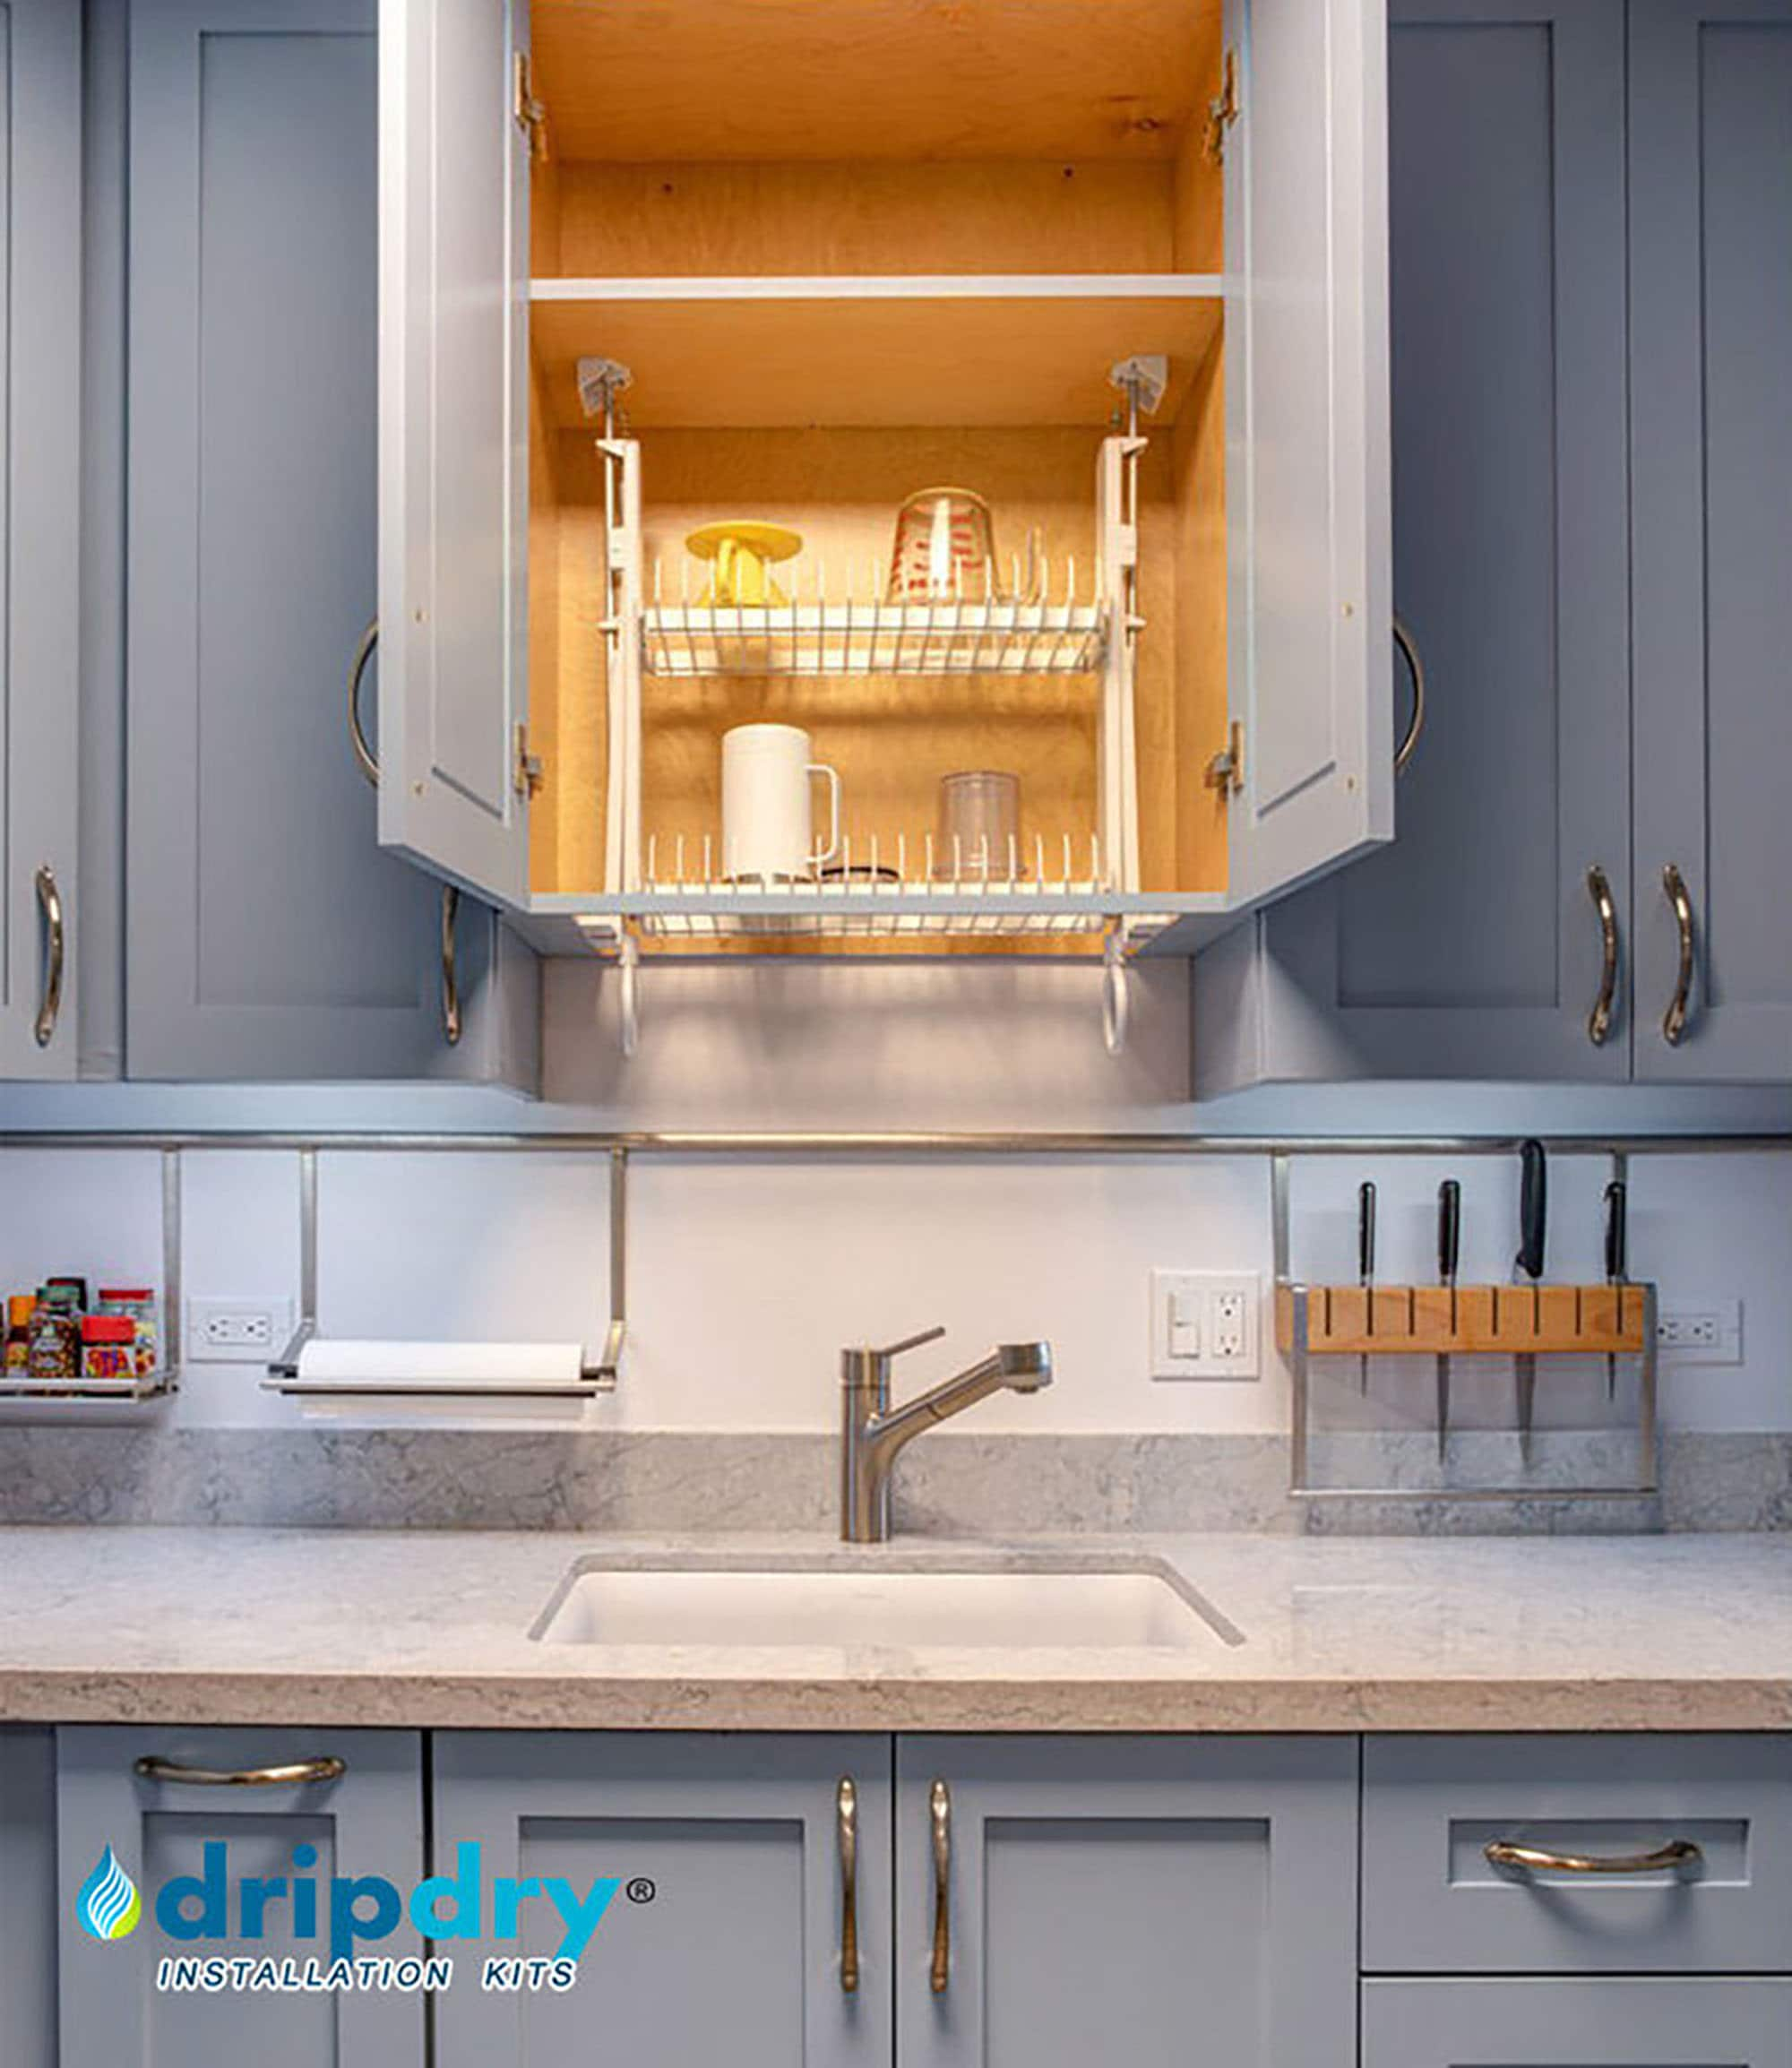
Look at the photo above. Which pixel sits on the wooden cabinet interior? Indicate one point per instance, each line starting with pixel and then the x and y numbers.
pixel 749 159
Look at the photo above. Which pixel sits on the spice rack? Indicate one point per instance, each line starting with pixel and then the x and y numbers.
pixel 58 1395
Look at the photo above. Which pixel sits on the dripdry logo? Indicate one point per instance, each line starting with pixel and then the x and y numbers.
pixel 108 1905
pixel 345 1914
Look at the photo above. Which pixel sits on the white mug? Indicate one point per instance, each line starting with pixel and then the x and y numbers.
pixel 768 823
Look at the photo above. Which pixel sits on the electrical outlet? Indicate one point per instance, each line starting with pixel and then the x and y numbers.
pixel 1204 1325
pixel 245 1331
pixel 1700 1331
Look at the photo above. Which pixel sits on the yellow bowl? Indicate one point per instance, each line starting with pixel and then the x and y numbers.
pixel 744 552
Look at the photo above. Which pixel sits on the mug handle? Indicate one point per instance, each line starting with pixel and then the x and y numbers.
pixel 723 587
pixel 827 853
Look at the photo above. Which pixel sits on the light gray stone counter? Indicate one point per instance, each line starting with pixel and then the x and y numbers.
pixel 415 1628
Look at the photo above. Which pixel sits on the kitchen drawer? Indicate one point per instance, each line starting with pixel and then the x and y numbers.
pixel 1561 2024
pixel 1434 1904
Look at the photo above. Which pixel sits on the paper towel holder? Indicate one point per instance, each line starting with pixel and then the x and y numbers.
pixel 598 1377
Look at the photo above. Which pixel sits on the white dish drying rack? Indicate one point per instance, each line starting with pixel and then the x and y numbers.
pixel 1042 891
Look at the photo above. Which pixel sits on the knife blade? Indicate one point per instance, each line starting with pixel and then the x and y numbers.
pixel 1366 1270
pixel 1617 1242
pixel 1449 1253
pixel 1533 1224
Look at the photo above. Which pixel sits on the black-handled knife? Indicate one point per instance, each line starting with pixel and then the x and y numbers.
pixel 1533 1231
pixel 1365 1269
pixel 1449 1256
pixel 1617 1265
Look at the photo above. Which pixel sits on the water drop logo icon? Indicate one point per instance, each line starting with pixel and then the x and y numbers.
pixel 108 1905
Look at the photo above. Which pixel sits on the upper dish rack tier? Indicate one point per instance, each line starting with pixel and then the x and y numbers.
pixel 878 637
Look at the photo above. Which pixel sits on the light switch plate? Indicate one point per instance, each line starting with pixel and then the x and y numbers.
pixel 1205 1324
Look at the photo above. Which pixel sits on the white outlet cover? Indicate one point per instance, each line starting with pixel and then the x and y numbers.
pixel 1684 1309
pixel 1208 1289
pixel 275 1313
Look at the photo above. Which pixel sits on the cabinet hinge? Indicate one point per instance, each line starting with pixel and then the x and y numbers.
pixel 1222 110
pixel 528 113
pixel 1226 771
pixel 525 767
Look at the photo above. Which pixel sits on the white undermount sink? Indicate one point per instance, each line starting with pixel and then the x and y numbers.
pixel 832 1605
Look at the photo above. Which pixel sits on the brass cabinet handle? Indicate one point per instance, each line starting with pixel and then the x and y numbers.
pixel 450 980
pixel 939 1807
pixel 1408 646
pixel 1599 1021
pixel 357 738
pixel 56 943
pixel 845 1815
pixel 1674 1022
pixel 1675 1853
pixel 300 1773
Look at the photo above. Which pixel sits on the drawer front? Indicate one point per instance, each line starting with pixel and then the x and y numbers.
pixel 1435 1903
pixel 1553 2023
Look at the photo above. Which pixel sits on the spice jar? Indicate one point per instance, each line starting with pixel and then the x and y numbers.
pixel 54 1348
pixel 108 1347
pixel 19 1306
pixel 136 1304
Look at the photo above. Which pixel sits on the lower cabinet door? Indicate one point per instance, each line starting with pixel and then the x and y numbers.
pixel 1149 1902
pixel 28 1904
pixel 1551 2022
pixel 714 1900
pixel 212 1854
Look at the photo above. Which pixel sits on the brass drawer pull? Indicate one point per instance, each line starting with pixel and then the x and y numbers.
pixel 846 1814
pixel 357 738
pixel 56 943
pixel 1599 1022
pixel 300 1773
pixel 1533 1860
pixel 1674 1022
pixel 451 978
pixel 939 1807
pixel 1408 646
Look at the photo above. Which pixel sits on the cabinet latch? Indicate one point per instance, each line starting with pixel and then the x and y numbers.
pixel 526 767
pixel 1226 771
pixel 1222 110
pixel 528 113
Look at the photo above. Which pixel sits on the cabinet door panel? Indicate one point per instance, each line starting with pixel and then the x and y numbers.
pixel 368 1822
pixel 1196 1896
pixel 1471 947
pixel 268 937
pixel 1306 390
pixel 41 127
pixel 736 1954
pixel 453 439
pixel 1711 153
pixel 28 1895
pixel 1562 2024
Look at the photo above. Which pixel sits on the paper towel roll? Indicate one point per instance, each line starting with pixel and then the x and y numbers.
pixel 404 1368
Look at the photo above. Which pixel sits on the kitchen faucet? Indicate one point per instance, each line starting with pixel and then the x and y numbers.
pixel 871 1432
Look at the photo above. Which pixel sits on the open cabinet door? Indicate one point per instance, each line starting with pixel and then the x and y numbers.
pixel 1309 584
pixel 454 429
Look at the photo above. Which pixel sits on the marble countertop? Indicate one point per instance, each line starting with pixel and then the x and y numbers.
pixel 415 1628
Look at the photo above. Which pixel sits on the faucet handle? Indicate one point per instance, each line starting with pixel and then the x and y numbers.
pixel 910 1343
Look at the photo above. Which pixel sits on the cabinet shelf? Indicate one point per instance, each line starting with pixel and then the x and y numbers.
pixel 944 639
pixel 871 352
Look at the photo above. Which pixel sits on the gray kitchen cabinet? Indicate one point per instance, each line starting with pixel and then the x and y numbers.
pixel 739 1897
pixel 1433 1902
pixel 1547 2022
pixel 28 1895
pixel 40 148
pixel 1710 264
pixel 267 935
pixel 1472 946
pixel 365 1821
pixel 1061 1900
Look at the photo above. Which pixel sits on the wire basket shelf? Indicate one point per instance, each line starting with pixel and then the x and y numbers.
pixel 927 638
